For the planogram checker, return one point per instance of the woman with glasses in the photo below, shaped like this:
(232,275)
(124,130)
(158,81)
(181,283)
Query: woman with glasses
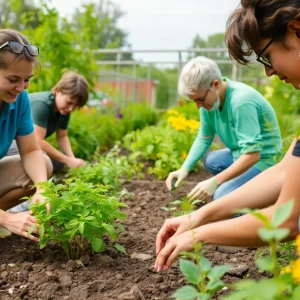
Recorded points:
(271,29)
(18,172)
(239,115)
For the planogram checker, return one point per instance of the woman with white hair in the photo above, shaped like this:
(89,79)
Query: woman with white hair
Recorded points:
(242,118)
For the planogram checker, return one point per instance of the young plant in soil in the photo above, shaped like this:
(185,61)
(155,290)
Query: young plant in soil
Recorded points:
(107,169)
(181,207)
(204,279)
(285,281)
(81,215)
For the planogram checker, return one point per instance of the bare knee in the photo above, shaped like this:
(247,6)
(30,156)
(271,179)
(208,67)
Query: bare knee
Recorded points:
(49,166)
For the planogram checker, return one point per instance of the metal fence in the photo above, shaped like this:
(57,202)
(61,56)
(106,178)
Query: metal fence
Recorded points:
(128,86)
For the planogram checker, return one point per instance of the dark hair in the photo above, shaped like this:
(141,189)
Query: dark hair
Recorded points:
(255,19)
(74,85)
(9,35)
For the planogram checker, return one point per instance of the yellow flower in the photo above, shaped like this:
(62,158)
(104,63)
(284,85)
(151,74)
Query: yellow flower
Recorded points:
(184,155)
(286,270)
(296,270)
(193,125)
(286,95)
(172,112)
(297,241)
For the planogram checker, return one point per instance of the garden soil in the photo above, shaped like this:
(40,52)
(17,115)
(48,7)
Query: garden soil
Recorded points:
(29,273)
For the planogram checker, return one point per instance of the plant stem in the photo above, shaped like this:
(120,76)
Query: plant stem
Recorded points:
(275,260)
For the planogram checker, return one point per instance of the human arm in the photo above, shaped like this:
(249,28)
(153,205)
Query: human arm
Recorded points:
(202,141)
(206,188)
(249,143)
(19,223)
(241,231)
(200,146)
(71,162)
(31,155)
(64,143)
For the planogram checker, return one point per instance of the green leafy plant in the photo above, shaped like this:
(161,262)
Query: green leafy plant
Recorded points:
(92,129)
(107,169)
(282,285)
(204,279)
(80,218)
(182,206)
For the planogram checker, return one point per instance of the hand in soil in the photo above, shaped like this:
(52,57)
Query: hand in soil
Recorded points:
(173,227)
(20,223)
(175,245)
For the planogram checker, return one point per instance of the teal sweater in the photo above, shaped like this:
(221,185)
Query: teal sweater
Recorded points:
(247,123)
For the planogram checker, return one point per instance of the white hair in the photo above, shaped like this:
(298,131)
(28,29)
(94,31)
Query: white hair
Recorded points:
(198,74)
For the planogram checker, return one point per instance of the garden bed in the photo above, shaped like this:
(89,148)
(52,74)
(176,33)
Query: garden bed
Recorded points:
(29,273)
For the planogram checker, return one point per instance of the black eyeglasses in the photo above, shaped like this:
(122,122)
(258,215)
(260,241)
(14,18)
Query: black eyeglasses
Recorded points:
(199,99)
(18,48)
(262,59)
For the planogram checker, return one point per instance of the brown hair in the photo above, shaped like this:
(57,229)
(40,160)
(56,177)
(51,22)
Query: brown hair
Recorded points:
(9,35)
(74,85)
(255,19)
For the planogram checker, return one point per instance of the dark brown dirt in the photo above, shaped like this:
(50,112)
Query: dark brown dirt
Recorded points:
(29,273)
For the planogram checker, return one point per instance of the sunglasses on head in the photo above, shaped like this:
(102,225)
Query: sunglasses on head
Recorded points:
(18,48)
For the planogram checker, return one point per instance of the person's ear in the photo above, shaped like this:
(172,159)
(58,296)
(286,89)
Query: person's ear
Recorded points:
(294,27)
(216,84)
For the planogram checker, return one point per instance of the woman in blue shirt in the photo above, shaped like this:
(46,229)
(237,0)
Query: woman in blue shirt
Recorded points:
(18,172)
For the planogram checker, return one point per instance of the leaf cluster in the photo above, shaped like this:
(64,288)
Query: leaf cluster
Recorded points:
(107,170)
(182,206)
(81,215)
(204,278)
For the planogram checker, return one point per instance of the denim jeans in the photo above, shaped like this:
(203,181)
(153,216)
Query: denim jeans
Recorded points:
(217,161)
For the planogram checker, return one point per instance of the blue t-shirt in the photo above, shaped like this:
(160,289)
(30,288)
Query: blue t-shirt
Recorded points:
(15,120)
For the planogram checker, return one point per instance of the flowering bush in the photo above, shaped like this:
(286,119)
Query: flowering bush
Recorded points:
(166,144)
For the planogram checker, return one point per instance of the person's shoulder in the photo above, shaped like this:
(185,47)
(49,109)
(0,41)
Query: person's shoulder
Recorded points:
(42,99)
(46,97)
(241,93)
(22,100)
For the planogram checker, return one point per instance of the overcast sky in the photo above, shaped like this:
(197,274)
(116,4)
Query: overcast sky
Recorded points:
(165,24)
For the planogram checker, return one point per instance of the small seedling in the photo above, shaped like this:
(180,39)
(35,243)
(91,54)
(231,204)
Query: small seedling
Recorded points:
(204,279)
(181,207)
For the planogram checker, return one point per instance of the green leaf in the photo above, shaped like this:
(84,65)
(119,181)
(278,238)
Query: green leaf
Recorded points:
(282,213)
(202,296)
(205,264)
(217,272)
(185,293)
(150,149)
(41,231)
(165,208)
(176,202)
(215,285)
(265,264)
(121,227)
(81,227)
(264,289)
(120,248)
(190,271)
(31,229)
(98,245)
(269,235)
(110,230)
(296,293)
